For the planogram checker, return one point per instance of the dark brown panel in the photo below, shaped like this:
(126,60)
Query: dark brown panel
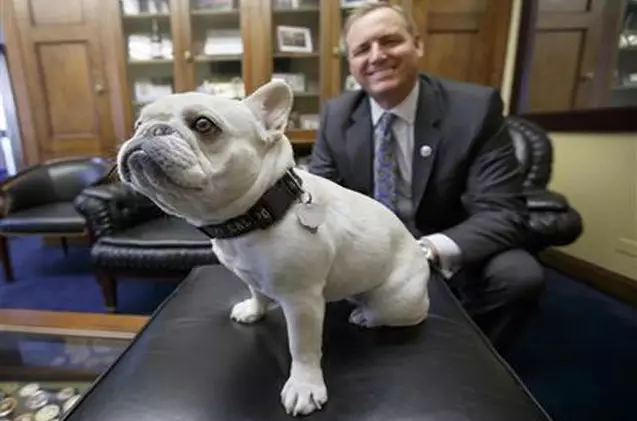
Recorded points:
(564,5)
(453,22)
(70,106)
(464,39)
(554,87)
(44,12)
(448,54)
(565,21)
(456,6)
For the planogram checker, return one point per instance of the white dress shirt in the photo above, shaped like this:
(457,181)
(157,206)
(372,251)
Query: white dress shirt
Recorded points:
(449,253)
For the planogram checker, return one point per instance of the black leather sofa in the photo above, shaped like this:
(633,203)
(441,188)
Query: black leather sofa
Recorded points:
(38,201)
(191,362)
(553,221)
(134,236)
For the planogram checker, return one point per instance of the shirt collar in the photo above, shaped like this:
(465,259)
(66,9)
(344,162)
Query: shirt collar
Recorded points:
(405,110)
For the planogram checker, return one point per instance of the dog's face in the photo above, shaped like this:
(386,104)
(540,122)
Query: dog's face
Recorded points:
(194,153)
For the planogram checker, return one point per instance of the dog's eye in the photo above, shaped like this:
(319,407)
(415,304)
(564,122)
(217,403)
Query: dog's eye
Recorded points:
(204,125)
(136,125)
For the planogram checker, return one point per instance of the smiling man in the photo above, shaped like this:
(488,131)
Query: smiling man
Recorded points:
(437,153)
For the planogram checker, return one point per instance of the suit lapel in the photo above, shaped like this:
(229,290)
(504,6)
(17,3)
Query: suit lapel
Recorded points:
(426,134)
(358,138)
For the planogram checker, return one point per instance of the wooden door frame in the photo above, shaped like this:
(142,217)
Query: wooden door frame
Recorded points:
(20,36)
(23,101)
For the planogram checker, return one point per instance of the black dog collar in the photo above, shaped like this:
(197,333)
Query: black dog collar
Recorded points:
(268,210)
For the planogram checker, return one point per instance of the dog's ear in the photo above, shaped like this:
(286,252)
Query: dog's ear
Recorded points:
(271,104)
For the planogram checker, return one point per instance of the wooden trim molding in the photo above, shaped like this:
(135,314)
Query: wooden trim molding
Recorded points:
(71,324)
(593,120)
(604,280)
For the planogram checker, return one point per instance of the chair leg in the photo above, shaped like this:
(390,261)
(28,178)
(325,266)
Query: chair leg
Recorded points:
(6,258)
(65,245)
(109,290)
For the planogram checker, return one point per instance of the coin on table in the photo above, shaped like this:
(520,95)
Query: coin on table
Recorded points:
(29,389)
(7,406)
(69,403)
(10,387)
(24,417)
(47,413)
(37,400)
(66,393)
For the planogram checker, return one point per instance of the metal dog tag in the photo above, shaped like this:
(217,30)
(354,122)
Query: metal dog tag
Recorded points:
(310,215)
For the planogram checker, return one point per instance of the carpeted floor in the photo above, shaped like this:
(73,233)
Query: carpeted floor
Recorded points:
(578,355)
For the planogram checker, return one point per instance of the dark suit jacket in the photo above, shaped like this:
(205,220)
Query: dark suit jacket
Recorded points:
(469,188)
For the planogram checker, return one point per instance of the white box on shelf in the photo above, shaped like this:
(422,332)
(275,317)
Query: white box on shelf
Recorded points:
(147,91)
(130,7)
(223,42)
(139,47)
(309,121)
(295,80)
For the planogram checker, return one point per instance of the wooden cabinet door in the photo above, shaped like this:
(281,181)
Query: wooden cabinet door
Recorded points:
(138,72)
(63,72)
(464,39)
(563,56)
(216,46)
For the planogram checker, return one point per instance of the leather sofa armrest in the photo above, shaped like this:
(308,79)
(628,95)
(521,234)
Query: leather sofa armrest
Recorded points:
(32,187)
(109,208)
(552,220)
(546,200)
(380,374)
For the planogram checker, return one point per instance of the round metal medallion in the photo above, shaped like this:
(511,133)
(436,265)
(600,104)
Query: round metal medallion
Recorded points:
(65,393)
(7,405)
(48,413)
(37,400)
(29,389)
(69,403)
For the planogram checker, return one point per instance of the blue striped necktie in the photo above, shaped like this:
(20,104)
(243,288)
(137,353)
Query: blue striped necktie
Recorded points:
(385,162)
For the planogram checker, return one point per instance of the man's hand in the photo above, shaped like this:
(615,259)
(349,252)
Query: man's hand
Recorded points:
(431,252)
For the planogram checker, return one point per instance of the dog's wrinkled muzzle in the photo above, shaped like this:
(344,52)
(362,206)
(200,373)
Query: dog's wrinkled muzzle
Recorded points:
(161,129)
(158,152)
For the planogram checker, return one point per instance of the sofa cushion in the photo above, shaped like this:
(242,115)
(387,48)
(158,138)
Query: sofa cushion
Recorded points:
(162,232)
(191,362)
(164,243)
(54,218)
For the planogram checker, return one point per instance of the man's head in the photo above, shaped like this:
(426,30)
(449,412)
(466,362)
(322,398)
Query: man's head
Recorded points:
(383,49)
(207,158)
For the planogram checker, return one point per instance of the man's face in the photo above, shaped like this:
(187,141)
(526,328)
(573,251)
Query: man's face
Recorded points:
(383,56)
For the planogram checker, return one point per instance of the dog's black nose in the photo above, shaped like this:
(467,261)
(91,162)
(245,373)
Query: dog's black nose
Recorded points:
(161,129)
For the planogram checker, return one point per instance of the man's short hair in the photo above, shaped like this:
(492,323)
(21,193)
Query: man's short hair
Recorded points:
(366,8)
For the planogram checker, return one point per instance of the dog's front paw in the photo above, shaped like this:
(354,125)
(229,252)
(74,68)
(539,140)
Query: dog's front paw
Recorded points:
(247,311)
(358,317)
(302,397)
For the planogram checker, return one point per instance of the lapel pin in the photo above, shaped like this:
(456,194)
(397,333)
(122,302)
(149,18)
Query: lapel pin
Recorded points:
(425,151)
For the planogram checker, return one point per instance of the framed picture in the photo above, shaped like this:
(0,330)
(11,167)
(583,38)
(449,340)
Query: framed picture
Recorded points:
(350,4)
(294,39)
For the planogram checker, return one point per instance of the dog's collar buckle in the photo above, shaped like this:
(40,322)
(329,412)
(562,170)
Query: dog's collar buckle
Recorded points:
(269,209)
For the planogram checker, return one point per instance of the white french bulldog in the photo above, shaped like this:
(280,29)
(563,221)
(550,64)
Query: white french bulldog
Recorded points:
(207,159)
